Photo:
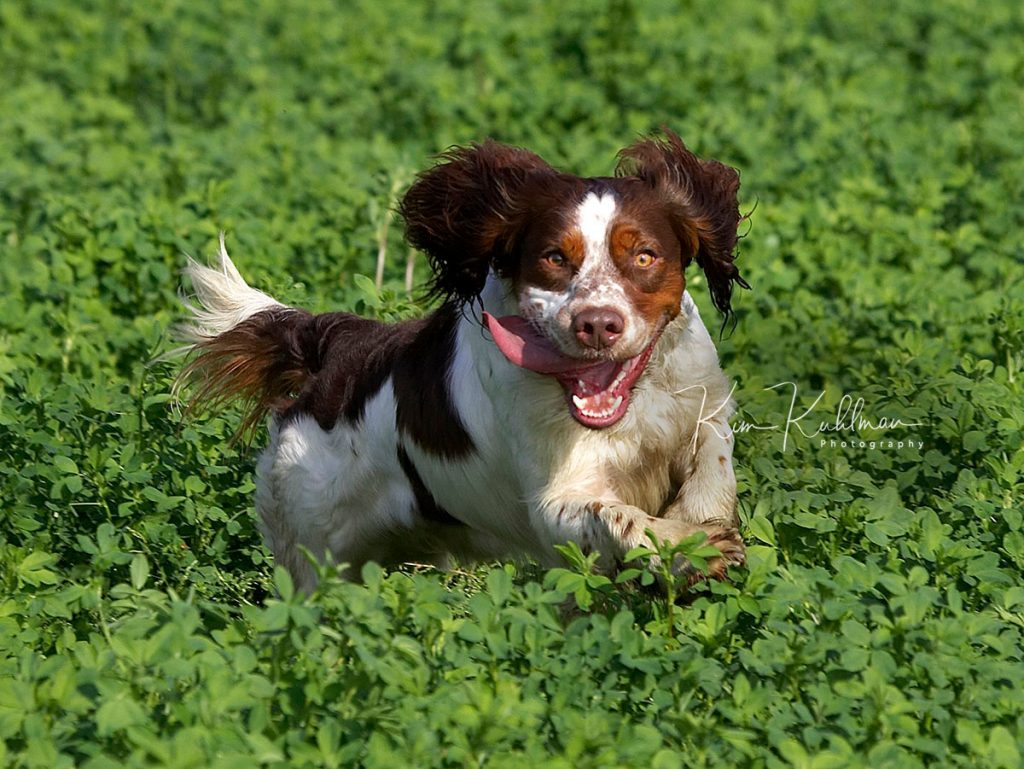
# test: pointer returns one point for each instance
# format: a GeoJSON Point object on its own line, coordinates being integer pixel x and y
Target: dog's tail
{"type": "Point", "coordinates": [245, 345]}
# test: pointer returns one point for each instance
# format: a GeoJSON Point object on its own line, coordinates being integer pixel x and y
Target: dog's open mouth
{"type": "Point", "coordinates": [598, 392]}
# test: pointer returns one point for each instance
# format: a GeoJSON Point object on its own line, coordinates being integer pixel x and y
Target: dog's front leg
{"type": "Point", "coordinates": [707, 491]}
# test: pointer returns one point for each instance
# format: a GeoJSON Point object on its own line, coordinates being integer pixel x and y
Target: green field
{"type": "Point", "coordinates": [879, 621]}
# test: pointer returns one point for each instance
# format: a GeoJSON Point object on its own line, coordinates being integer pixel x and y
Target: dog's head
{"type": "Point", "coordinates": [596, 264]}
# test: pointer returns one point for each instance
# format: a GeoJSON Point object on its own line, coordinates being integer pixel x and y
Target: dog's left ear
{"type": "Point", "coordinates": [468, 212]}
{"type": "Point", "coordinates": [701, 196]}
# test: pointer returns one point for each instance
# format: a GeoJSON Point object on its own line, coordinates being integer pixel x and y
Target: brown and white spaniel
{"type": "Point", "coordinates": [565, 389]}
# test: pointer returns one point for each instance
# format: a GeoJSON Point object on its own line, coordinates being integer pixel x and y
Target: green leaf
{"type": "Point", "coordinates": [1002, 748]}
{"type": "Point", "coordinates": [116, 714]}
{"type": "Point", "coordinates": [876, 534]}
{"type": "Point", "coordinates": [65, 464]}
{"type": "Point", "coordinates": [761, 528]}
{"type": "Point", "coordinates": [283, 583]}
{"type": "Point", "coordinates": [794, 753]}
{"type": "Point", "coordinates": [139, 571]}
{"type": "Point", "coordinates": [33, 569]}
{"type": "Point", "coordinates": [499, 585]}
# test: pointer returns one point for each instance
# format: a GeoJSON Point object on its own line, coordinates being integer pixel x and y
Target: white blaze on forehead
{"type": "Point", "coordinates": [598, 281]}
{"type": "Point", "coordinates": [594, 217]}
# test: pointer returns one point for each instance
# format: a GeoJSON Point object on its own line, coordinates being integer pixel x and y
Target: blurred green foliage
{"type": "Point", "coordinates": [879, 620]}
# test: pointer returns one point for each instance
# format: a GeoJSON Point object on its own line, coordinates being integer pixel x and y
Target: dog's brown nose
{"type": "Point", "coordinates": [598, 327]}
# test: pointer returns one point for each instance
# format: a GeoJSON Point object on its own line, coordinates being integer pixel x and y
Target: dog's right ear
{"type": "Point", "coordinates": [468, 212]}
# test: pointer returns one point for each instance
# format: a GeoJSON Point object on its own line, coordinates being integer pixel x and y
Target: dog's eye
{"type": "Point", "coordinates": [555, 258]}
{"type": "Point", "coordinates": [645, 259]}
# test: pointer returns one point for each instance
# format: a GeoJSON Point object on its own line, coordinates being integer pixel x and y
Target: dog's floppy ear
{"type": "Point", "coordinates": [701, 195]}
{"type": "Point", "coordinates": [468, 211]}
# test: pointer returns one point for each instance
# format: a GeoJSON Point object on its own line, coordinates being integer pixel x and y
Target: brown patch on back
{"type": "Point", "coordinates": [349, 360]}
{"type": "Point", "coordinates": [358, 356]}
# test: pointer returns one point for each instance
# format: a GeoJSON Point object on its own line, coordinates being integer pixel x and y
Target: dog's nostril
{"type": "Point", "coordinates": [598, 327]}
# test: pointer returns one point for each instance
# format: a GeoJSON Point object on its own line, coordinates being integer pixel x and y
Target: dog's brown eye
{"type": "Point", "coordinates": [555, 258]}
{"type": "Point", "coordinates": [645, 259]}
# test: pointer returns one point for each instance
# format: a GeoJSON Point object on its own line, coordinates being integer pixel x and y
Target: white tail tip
{"type": "Point", "coordinates": [223, 298]}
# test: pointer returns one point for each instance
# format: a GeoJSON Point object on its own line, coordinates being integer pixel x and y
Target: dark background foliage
{"type": "Point", "coordinates": [879, 622]}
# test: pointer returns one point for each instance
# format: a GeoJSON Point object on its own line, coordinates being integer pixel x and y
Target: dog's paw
{"type": "Point", "coordinates": [723, 536]}
{"type": "Point", "coordinates": [733, 553]}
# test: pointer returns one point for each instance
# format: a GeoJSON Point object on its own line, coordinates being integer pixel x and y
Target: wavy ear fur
{"type": "Point", "coordinates": [702, 196]}
{"type": "Point", "coordinates": [468, 211]}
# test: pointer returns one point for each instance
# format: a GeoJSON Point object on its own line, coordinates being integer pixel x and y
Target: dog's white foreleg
{"type": "Point", "coordinates": [707, 493]}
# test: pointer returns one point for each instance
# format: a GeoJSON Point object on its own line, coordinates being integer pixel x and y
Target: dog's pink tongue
{"type": "Point", "coordinates": [524, 346]}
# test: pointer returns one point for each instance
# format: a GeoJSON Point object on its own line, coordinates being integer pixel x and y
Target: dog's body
{"type": "Point", "coordinates": [567, 389]}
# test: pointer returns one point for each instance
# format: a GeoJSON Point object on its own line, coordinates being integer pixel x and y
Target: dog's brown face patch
{"type": "Point", "coordinates": [651, 261]}
{"type": "Point", "coordinates": [552, 252]}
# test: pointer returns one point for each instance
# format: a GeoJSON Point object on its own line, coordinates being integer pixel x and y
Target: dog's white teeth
{"type": "Point", "coordinates": [586, 406]}
{"type": "Point", "coordinates": [580, 383]}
